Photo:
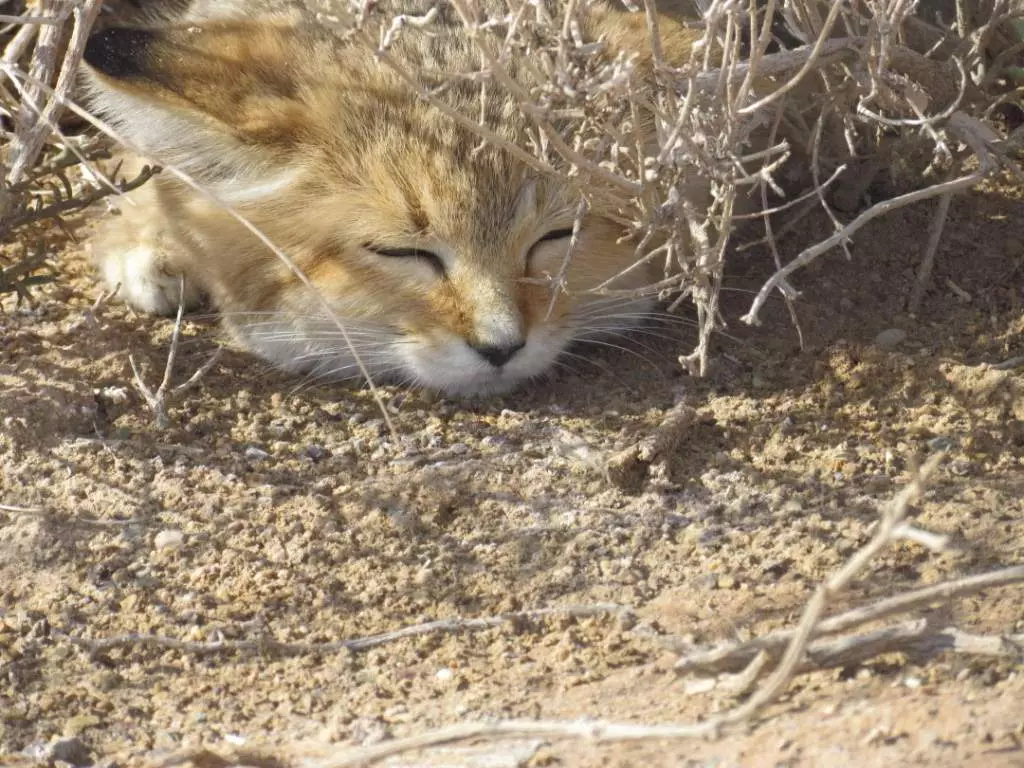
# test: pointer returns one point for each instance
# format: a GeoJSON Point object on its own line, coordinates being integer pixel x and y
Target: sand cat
{"type": "Point", "coordinates": [429, 245]}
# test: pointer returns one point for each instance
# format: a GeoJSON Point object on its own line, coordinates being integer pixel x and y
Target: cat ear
{"type": "Point", "coordinates": [219, 102]}
{"type": "Point", "coordinates": [627, 32]}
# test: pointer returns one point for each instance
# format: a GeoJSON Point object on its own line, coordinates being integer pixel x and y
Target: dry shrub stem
{"type": "Point", "coordinates": [924, 270]}
{"type": "Point", "coordinates": [735, 656]}
{"type": "Point", "coordinates": [159, 399]}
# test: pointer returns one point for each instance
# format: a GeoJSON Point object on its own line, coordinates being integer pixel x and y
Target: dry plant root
{"type": "Point", "coordinates": [160, 398]}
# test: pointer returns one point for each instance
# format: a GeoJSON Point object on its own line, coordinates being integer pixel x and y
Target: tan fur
{"type": "Point", "coordinates": [327, 152]}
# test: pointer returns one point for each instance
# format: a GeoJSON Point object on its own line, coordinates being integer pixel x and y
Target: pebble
{"type": "Point", "coordinates": [169, 539]}
{"type": "Point", "coordinates": [941, 443]}
{"type": "Point", "coordinates": [315, 452]}
{"type": "Point", "coordinates": [890, 338]}
{"type": "Point", "coordinates": [72, 751]}
{"type": "Point", "coordinates": [444, 674]}
{"type": "Point", "coordinates": [278, 430]}
{"type": "Point", "coordinates": [252, 453]}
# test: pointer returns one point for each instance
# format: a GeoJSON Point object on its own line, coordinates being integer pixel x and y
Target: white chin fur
{"type": "Point", "coordinates": [448, 365]}
{"type": "Point", "coordinates": [453, 368]}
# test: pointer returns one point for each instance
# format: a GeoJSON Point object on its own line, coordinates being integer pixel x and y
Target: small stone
{"type": "Point", "coordinates": [169, 539]}
{"type": "Point", "coordinates": [252, 453]}
{"type": "Point", "coordinates": [278, 430]}
{"type": "Point", "coordinates": [941, 443]}
{"type": "Point", "coordinates": [699, 685]}
{"type": "Point", "coordinates": [444, 674]}
{"type": "Point", "coordinates": [726, 582]}
{"type": "Point", "coordinates": [708, 581]}
{"type": "Point", "coordinates": [113, 395]}
{"type": "Point", "coordinates": [72, 751]}
{"type": "Point", "coordinates": [315, 452]}
{"type": "Point", "coordinates": [890, 338]}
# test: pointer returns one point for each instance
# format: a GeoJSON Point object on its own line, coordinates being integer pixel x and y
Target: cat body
{"type": "Point", "coordinates": [430, 251]}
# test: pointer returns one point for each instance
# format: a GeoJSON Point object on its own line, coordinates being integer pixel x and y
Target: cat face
{"type": "Point", "coordinates": [432, 252]}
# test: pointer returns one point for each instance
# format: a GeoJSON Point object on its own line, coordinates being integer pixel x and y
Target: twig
{"type": "Point", "coordinates": [843, 235]}
{"type": "Point", "coordinates": [628, 469]}
{"type": "Point", "coordinates": [77, 203]}
{"type": "Point", "coordinates": [924, 271]}
{"type": "Point", "coordinates": [916, 636]}
{"type": "Point", "coordinates": [910, 636]}
{"type": "Point", "coordinates": [268, 645]}
{"type": "Point", "coordinates": [736, 656]}
{"type": "Point", "coordinates": [961, 294]}
{"type": "Point", "coordinates": [32, 134]}
{"type": "Point", "coordinates": [21, 510]}
{"type": "Point", "coordinates": [1009, 364]}
{"type": "Point", "coordinates": [594, 730]}
{"type": "Point", "coordinates": [8, 19]}
{"type": "Point", "coordinates": [89, 316]}
{"type": "Point", "coordinates": [157, 401]}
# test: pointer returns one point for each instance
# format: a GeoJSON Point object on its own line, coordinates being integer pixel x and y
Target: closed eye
{"type": "Point", "coordinates": [409, 253]}
{"type": "Point", "coordinates": [556, 234]}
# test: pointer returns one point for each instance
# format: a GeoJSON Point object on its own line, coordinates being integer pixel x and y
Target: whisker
{"type": "Point", "coordinates": [638, 315]}
{"type": "Point", "coordinates": [621, 348]}
{"type": "Point", "coordinates": [621, 335]}
{"type": "Point", "coordinates": [638, 324]}
{"type": "Point", "coordinates": [332, 375]}
{"type": "Point", "coordinates": [605, 370]}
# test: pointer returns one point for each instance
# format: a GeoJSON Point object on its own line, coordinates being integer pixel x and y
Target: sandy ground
{"type": "Point", "coordinates": [274, 510]}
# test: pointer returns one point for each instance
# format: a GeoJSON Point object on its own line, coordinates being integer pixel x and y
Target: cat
{"type": "Point", "coordinates": [430, 246]}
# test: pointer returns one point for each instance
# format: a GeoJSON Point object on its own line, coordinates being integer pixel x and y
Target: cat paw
{"type": "Point", "coordinates": [146, 281]}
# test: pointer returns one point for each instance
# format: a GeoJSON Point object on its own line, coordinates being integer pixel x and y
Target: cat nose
{"type": "Point", "coordinates": [498, 355]}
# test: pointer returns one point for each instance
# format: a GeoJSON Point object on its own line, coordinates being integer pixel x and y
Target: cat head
{"type": "Point", "coordinates": [435, 249]}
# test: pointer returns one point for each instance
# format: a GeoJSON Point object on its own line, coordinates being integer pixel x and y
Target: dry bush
{"type": "Point", "coordinates": [44, 174]}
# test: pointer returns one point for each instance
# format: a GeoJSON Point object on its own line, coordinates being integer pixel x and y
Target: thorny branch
{"type": "Point", "coordinates": [44, 175]}
{"type": "Point", "coordinates": [735, 656]}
